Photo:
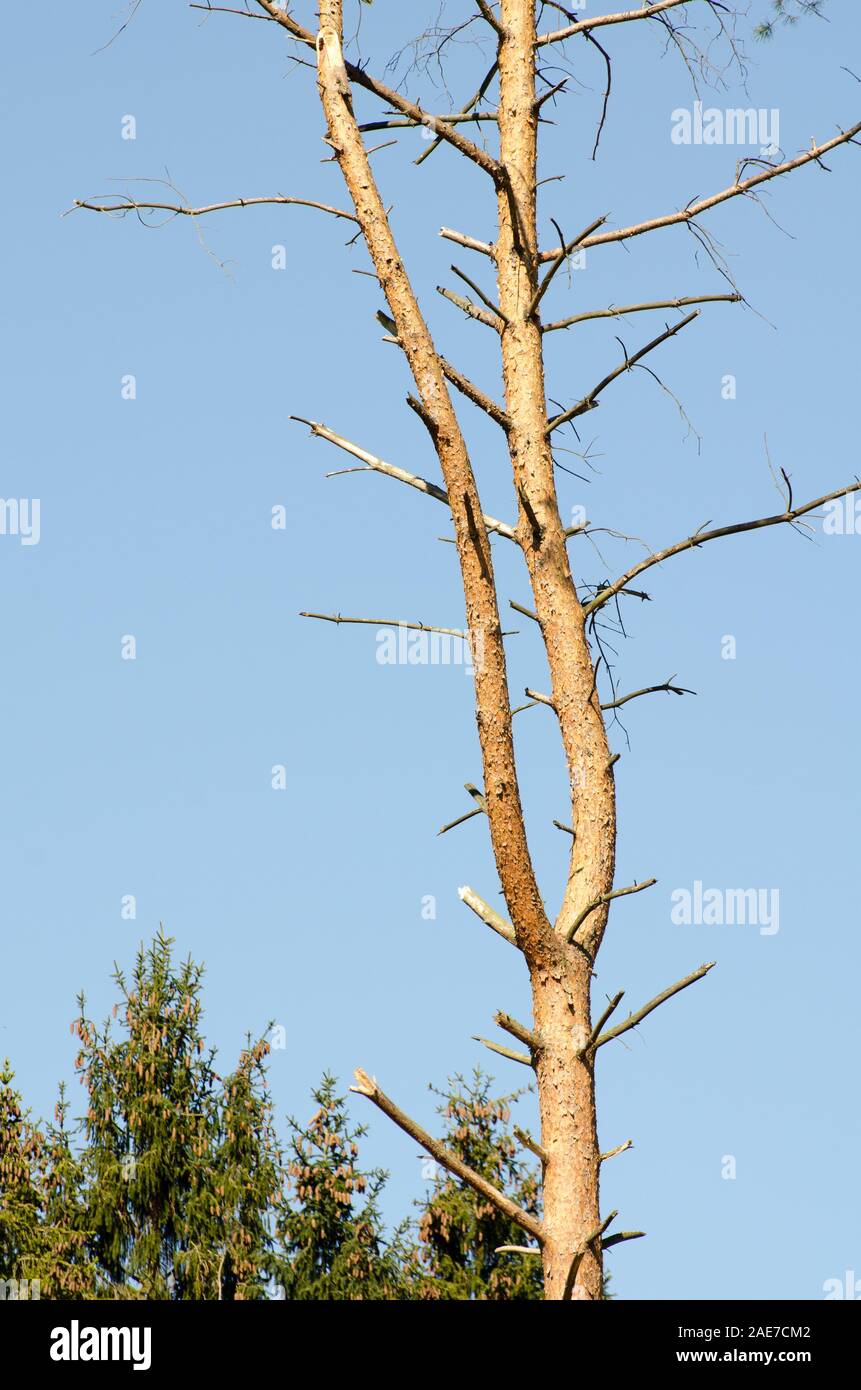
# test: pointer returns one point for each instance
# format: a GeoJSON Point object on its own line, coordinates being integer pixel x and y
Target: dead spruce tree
{"type": "Point", "coordinates": [562, 1039]}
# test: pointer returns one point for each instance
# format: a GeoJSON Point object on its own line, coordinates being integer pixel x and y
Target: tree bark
{"type": "Point", "coordinates": [560, 987]}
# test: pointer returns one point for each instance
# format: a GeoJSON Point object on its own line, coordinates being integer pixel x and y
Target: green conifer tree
{"type": "Point", "coordinates": [66, 1267]}
{"type": "Point", "coordinates": [460, 1232]}
{"type": "Point", "coordinates": [331, 1228]}
{"type": "Point", "coordinates": [21, 1147]}
{"type": "Point", "coordinates": [182, 1169]}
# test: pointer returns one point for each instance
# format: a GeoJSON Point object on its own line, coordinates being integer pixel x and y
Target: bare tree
{"type": "Point", "coordinates": [561, 1041]}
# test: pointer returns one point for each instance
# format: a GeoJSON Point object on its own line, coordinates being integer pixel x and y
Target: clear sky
{"type": "Point", "coordinates": [152, 777]}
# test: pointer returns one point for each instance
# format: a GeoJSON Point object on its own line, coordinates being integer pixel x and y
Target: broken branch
{"type": "Point", "coordinates": [620, 1236]}
{"type": "Point", "coordinates": [487, 914]}
{"type": "Point", "coordinates": [517, 1030]}
{"type": "Point", "coordinates": [619, 1149]}
{"type": "Point", "coordinates": [504, 1051]}
{"type": "Point", "coordinates": [471, 243]}
{"type": "Point", "coordinates": [367, 1086]}
{"type": "Point", "coordinates": [378, 465]}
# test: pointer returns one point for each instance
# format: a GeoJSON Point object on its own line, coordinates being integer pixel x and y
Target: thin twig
{"type": "Point", "coordinates": [388, 622]}
{"type": "Point", "coordinates": [182, 210]}
{"type": "Point", "coordinates": [564, 253]}
{"type": "Point", "coordinates": [633, 1019]}
{"type": "Point", "coordinates": [649, 690]}
{"type": "Point", "coordinates": [589, 402]}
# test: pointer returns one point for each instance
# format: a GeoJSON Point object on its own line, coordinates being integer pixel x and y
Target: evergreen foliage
{"type": "Point", "coordinates": [173, 1186]}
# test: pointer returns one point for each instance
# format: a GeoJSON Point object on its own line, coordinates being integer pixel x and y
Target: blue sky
{"type": "Point", "coordinates": [152, 777]}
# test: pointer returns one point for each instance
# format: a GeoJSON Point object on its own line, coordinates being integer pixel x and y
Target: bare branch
{"type": "Point", "coordinates": [487, 914]}
{"type": "Point", "coordinates": [581, 1250]}
{"type": "Point", "coordinates": [564, 253]}
{"type": "Point", "coordinates": [605, 101]}
{"type": "Point", "coordinates": [487, 13]}
{"type": "Point", "coordinates": [620, 1236]}
{"type": "Point", "coordinates": [506, 1052]}
{"type": "Point", "coordinates": [649, 690]}
{"type": "Point", "coordinates": [481, 809]}
{"type": "Point", "coordinates": [633, 1019]}
{"type": "Point", "coordinates": [700, 537]}
{"type": "Point", "coordinates": [478, 397]}
{"type": "Point", "coordinates": [538, 698]}
{"type": "Point", "coordinates": [619, 1149]}
{"type": "Point", "coordinates": [589, 402]}
{"type": "Point", "coordinates": [517, 1030]}
{"type": "Point", "coordinates": [367, 1086]}
{"type": "Point", "coordinates": [599, 902]}
{"type": "Point", "coordinates": [462, 383]}
{"type": "Point", "coordinates": [612, 1006]}
{"type": "Point", "coordinates": [476, 289]}
{"type": "Point", "coordinates": [387, 622]}
{"type": "Point", "coordinates": [735, 190]}
{"type": "Point", "coordinates": [624, 309]}
{"type": "Point", "coordinates": [361, 78]}
{"type": "Point", "coordinates": [471, 310]}
{"type": "Point", "coordinates": [406, 123]}
{"type": "Point", "coordinates": [377, 465]}
{"type": "Point", "coordinates": [470, 242]}
{"type": "Point", "coordinates": [122, 205]}
{"type": "Point", "coordinates": [525, 1138]}
{"type": "Point", "coordinates": [461, 820]}
{"type": "Point", "coordinates": [470, 106]}
{"type": "Point", "coordinates": [519, 608]}
{"type": "Point", "coordinates": [209, 8]}
{"type": "Point", "coordinates": [583, 26]}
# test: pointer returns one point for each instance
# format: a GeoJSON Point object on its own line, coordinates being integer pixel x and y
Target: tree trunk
{"type": "Point", "coordinates": [560, 990]}
{"type": "Point", "coordinates": [569, 1136]}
